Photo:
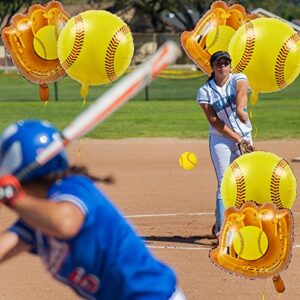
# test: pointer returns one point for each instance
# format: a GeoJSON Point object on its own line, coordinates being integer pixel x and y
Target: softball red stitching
{"type": "Point", "coordinates": [79, 37]}
{"type": "Point", "coordinates": [288, 46]}
{"type": "Point", "coordinates": [248, 49]}
{"type": "Point", "coordinates": [111, 51]}
{"type": "Point", "coordinates": [240, 184]}
{"type": "Point", "coordinates": [275, 181]}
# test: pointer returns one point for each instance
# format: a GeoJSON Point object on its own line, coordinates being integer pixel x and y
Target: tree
{"type": "Point", "coordinates": [186, 13]}
{"type": "Point", "coordinates": [159, 15]}
{"type": "Point", "coordinates": [287, 9]}
{"type": "Point", "coordinates": [156, 12]}
{"type": "Point", "coordinates": [10, 8]}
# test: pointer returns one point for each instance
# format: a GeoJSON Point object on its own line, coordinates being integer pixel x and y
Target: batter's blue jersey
{"type": "Point", "coordinates": [106, 260]}
{"type": "Point", "coordinates": [223, 101]}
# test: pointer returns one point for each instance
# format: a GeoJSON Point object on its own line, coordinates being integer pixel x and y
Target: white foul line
{"type": "Point", "coordinates": [179, 214]}
{"type": "Point", "coordinates": [184, 214]}
{"type": "Point", "coordinates": [172, 215]}
{"type": "Point", "coordinates": [178, 248]}
{"type": "Point", "coordinates": [191, 248]}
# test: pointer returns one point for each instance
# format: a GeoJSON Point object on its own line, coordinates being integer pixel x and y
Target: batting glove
{"type": "Point", "coordinates": [11, 190]}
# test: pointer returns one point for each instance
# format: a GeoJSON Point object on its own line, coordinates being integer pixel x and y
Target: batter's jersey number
{"type": "Point", "coordinates": [87, 282]}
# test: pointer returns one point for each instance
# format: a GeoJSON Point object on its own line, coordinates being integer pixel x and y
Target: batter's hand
{"type": "Point", "coordinates": [10, 190]}
{"type": "Point", "coordinates": [245, 147]}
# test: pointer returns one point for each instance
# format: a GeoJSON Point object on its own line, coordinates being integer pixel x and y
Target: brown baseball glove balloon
{"type": "Point", "coordinates": [255, 242]}
{"type": "Point", "coordinates": [213, 32]}
{"type": "Point", "coordinates": [31, 41]}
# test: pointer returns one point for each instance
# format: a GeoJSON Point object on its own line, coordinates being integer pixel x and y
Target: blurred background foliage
{"type": "Point", "coordinates": [155, 15]}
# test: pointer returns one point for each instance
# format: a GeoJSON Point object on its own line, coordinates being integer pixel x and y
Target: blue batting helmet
{"type": "Point", "coordinates": [22, 141]}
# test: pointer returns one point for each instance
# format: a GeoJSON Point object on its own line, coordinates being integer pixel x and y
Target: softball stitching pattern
{"type": "Point", "coordinates": [242, 244]}
{"type": "Point", "coordinates": [261, 252]}
{"type": "Point", "coordinates": [288, 45]}
{"type": "Point", "coordinates": [79, 37]}
{"type": "Point", "coordinates": [41, 45]}
{"type": "Point", "coordinates": [240, 184]}
{"type": "Point", "coordinates": [189, 160]}
{"type": "Point", "coordinates": [248, 49]}
{"type": "Point", "coordinates": [111, 51]}
{"type": "Point", "coordinates": [275, 181]}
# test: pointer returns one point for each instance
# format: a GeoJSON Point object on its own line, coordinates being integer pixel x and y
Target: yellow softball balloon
{"type": "Point", "coordinates": [188, 160]}
{"type": "Point", "coordinates": [267, 50]}
{"type": "Point", "coordinates": [260, 177]}
{"type": "Point", "coordinates": [95, 47]}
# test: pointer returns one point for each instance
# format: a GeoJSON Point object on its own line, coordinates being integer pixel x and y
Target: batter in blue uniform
{"type": "Point", "coordinates": [81, 237]}
{"type": "Point", "coordinates": [223, 99]}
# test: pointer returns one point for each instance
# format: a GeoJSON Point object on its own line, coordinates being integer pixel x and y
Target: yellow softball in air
{"type": "Point", "coordinates": [95, 47]}
{"type": "Point", "coordinates": [260, 177]}
{"type": "Point", "coordinates": [188, 160]}
{"type": "Point", "coordinates": [250, 243]}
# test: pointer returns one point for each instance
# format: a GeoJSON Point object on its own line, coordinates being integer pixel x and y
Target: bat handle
{"type": "Point", "coordinates": [278, 283]}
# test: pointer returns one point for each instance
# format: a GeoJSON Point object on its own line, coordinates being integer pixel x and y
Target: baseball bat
{"type": "Point", "coordinates": [106, 104]}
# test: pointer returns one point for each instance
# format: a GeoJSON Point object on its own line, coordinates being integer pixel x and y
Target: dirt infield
{"type": "Point", "coordinates": [171, 208]}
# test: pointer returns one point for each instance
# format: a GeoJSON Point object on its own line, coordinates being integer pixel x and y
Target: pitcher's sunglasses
{"type": "Point", "coordinates": [219, 63]}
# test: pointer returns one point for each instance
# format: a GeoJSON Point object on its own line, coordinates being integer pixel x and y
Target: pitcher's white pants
{"type": "Point", "coordinates": [223, 152]}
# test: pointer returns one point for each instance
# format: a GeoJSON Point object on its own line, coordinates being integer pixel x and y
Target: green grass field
{"type": "Point", "coordinates": [170, 112]}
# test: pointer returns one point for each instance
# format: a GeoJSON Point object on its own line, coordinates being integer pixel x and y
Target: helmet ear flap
{"type": "Point", "coordinates": [12, 159]}
{"type": "Point", "coordinates": [22, 141]}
